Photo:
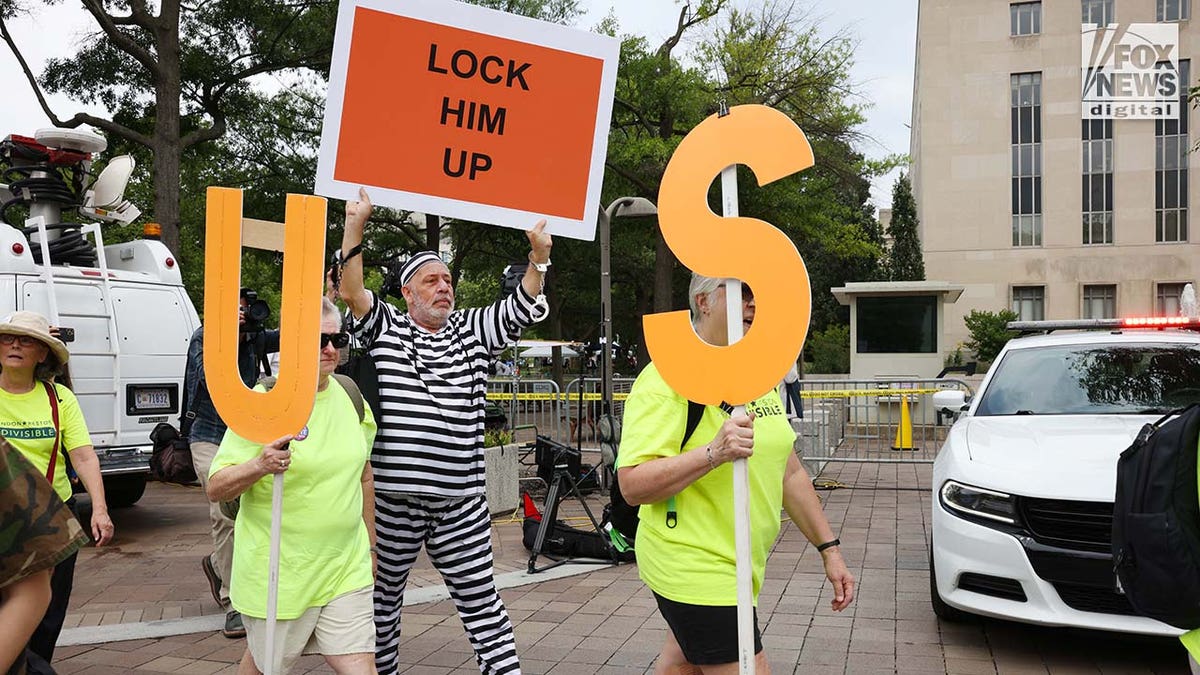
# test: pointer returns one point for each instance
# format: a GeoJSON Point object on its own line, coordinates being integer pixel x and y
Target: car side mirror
{"type": "Point", "coordinates": [950, 401]}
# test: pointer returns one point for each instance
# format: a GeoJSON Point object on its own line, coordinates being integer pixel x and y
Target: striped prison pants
{"type": "Point", "coordinates": [457, 537]}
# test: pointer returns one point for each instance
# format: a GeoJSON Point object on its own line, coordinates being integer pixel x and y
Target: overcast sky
{"type": "Point", "coordinates": [885, 30]}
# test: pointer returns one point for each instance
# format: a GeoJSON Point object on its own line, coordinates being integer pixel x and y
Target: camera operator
{"type": "Point", "coordinates": [255, 342]}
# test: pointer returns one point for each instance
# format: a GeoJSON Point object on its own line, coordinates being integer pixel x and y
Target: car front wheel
{"type": "Point", "coordinates": [940, 608]}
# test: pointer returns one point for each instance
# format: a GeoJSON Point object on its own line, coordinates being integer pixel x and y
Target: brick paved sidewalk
{"type": "Point", "coordinates": [606, 621]}
{"type": "Point", "coordinates": [152, 571]}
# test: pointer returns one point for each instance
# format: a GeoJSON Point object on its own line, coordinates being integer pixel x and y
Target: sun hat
{"type": "Point", "coordinates": [35, 326]}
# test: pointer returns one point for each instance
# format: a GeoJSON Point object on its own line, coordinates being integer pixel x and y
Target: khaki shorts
{"type": "Point", "coordinates": [344, 626]}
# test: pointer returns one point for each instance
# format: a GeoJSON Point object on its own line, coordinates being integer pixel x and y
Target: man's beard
{"type": "Point", "coordinates": [426, 312]}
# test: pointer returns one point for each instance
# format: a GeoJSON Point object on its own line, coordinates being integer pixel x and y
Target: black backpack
{"type": "Point", "coordinates": [621, 514]}
{"type": "Point", "coordinates": [1156, 521]}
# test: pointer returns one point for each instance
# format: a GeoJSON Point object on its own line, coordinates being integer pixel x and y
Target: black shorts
{"type": "Point", "coordinates": [706, 634]}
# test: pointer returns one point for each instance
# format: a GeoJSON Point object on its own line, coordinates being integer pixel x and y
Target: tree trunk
{"type": "Point", "coordinates": [664, 268]}
{"type": "Point", "coordinates": [433, 233]}
{"type": "Point", "coordinates": [643, 308]}
{"type": "Point", "coordinates": [167, 142]}
{"type": "Point", "coordinates": [664, 271]}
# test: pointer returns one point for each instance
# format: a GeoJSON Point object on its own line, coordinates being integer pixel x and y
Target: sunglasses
{"type": "Point", "coordinates": [23, 340]}
{"type": "Point", "coordinates": [339, 340]}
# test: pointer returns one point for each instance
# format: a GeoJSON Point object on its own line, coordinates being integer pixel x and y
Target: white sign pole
{"type": "Point", "coordinates": [741, 472]}
{"type": "Point", "coordinates": [273, 572]}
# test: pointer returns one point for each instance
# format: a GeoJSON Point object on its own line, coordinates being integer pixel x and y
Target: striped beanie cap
{"type": "Point", "coordinates": [414, 262]}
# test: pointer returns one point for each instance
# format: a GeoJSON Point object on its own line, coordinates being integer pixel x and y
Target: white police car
{"type": "Point", "coordinates": [1024, 485]}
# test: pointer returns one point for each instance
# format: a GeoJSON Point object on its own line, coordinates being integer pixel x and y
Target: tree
{"type": "Point", "coordinates": [186, 72]}
{"type": "Point", "coordinates": [989, 332]}
{"type": "Point", "coordinates": [830, 349]}
{"type": "Point", "coordinates": [181, 72]}
{"type": "Point", "coordinates": [774, 56]}
{"type": "Point", "coordinates": [905, 262]}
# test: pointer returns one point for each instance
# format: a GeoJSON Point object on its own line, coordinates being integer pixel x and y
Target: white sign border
{"type": "Point", "coordinates": [492, 22]}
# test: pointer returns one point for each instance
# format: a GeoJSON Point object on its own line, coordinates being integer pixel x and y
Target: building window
{"type": "Point", "coordinates": [1166, 301]}
{"type": "Point", "coordinates": [897, 325]}
{"type": "Point", "coordinates": [1172, 10]}
{"type": "Point", "coordinates": [1097, 182]}
{"type": "Point", "coordinates": [1025, 18]}
{"type": "Point", "coordinates": [1171, 170]}
{"type": "Point", "coordinates": [1029, 302]}
{"type": "Point", "coordinates": [1100, 302]}
{"type": "Point", "coordinates": [1099, 12]}
{"type": "Point", "coordinates": [1026, 139]}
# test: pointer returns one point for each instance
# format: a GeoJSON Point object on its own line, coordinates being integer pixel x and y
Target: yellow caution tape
{"type": "Point", "coordinates": [819, 393]}
{"type": "Point", "coordinates": [878, 391]}
{"type": "Point", "coordinates": [525, 396]}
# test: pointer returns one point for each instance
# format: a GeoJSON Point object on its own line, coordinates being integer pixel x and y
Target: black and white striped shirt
{"type": "Point", "coordinates": [432, 390]}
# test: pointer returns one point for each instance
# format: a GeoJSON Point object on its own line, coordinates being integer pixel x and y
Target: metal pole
{"type": "Point", "coordinates": [741, 470]}
{"type": "Point", "coordinates": [606, 302]}
{"type": "Point", "coordinates": [273, 572]}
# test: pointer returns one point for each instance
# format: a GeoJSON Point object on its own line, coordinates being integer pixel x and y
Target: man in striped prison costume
{"type": "Point", "coordinates": [432, 363]}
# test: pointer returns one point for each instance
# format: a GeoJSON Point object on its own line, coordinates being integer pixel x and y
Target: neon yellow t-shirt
{"type": "Point", "coordinates": [324, 549]}
{"type": "Point", "coordinates": [695, 562]}
{"type": "Point", "coordinates": [27, 423]}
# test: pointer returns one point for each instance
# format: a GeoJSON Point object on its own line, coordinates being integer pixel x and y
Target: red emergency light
{"type": "Point", "coordinates": [1160, 322]}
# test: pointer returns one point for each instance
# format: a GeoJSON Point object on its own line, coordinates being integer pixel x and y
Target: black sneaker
{"type": "Point", "coordinates": [233, 626]}
{"type": "Point", "coordinates": [214, 581]}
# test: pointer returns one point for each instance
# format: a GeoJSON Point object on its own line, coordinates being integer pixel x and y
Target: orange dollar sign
{"type": "Point", "coordinates": [257, 416]}
{"type": "Point", "coordinates": [748, 249]}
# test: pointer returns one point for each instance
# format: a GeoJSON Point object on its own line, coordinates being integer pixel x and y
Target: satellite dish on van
{"type": "Point", "coordinates": [109, 188]}
{"type": "Point", "coordinates": [106, 199]}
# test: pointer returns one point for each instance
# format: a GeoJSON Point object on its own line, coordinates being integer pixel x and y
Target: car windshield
{"type": "Point", "coordinates": [1094, 379]}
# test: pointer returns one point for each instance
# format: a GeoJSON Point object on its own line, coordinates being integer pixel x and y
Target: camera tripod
{"type": "Point", "coordinates": [561, 485]}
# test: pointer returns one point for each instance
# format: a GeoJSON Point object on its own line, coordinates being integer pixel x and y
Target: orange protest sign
{"type": "Point", "coordinates": [748, 249]}
{"type": "Point", "coordinates": [462, 111]}
{"type": "Point", "coordinates": [263, 417]}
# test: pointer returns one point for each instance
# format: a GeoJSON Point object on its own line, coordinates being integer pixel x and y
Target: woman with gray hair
{"type": "Point", "coordinates": [43, 421]}
{"type": "Point", "coordinates": [685, 545]}
{"type": "Point", "coordinates": [327, 536]}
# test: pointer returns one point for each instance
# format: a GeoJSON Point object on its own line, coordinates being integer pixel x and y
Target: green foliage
{"type": "Point", "coordinates": [906, 262]}
{"type": "Point", "coordinates": [830, 349]}
{"type": "Point", "coordinates": [494, 437]}
{"type": "Point", "coordinates": [955, 358]}
{"type": "Point", "coordinates": [988, 332]}
{"type": "Point", "coordinates": [477, 291]}
{"type": "Point", "coordinates": [555, 11]}
{"type": "Point", "coordinates": [231, 134]}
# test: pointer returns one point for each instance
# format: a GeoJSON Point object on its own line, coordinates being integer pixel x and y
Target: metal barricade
{"type": "Point", "coordinates": [584, 399]}
{"type": "Point", "coordinates": [880, 420]}
{"type": "Point", "coordinates": [536, 402]}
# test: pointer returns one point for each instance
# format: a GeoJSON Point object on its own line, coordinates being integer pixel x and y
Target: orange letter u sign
{"type": "Point", "coordinates": [263, 417]}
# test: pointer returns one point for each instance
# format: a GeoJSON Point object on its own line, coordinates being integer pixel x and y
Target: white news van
{"type": "Point", "coordinates": [126, 303]}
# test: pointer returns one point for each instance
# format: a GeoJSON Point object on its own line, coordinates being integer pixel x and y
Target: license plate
{"type": "Point", "coordinates": [151, 399]}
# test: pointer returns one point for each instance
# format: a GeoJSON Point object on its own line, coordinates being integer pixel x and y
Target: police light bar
{"type": "Point", "coordinates": [1153, 322]}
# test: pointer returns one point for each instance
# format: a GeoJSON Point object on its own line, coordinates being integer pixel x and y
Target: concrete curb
{"type": "Point", "coordinates": [143, 630]}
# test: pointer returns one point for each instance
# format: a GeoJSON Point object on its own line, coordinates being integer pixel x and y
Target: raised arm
{"type": "Point", "coordinates": [539, 254]}
{"type": "Point", "coordinates": [351, 285]}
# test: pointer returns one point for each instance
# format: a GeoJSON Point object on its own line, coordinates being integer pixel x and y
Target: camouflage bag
{"type": "Point", "coordinates": [37, 530]}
